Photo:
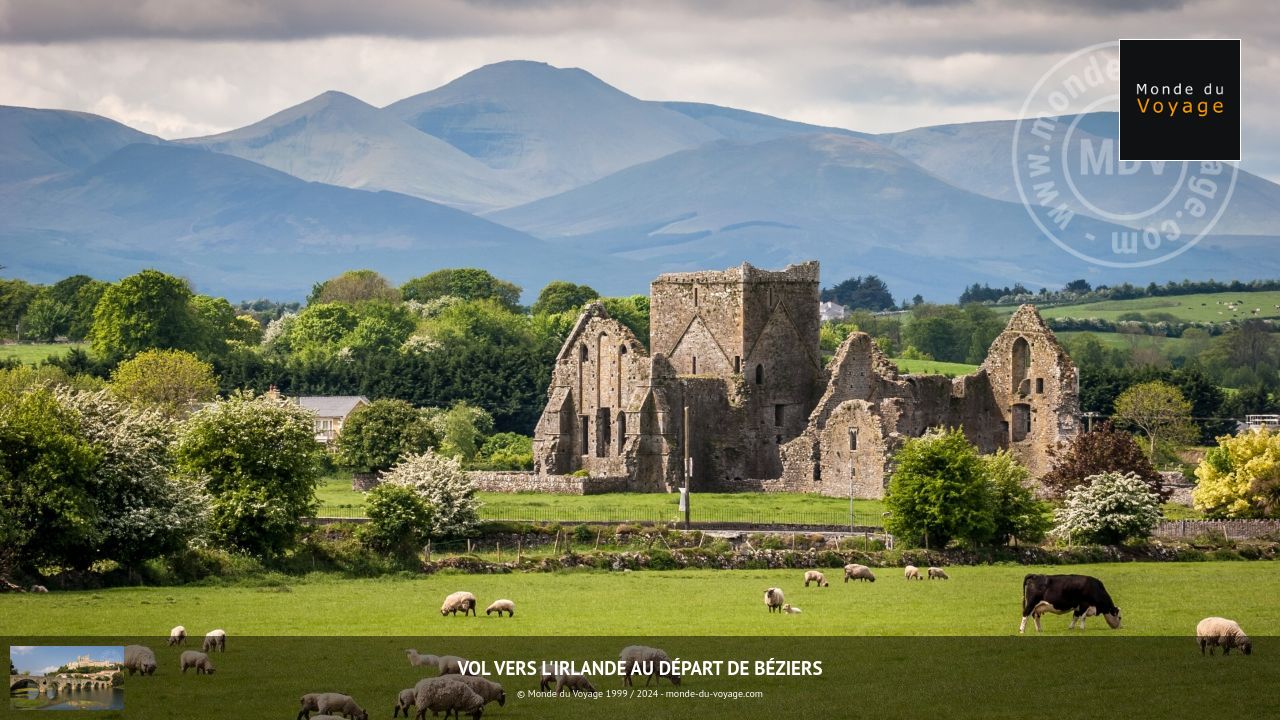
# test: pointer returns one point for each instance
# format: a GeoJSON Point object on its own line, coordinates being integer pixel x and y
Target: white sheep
{"type": "Point", "coordinates": [444, 664]}
{"type": "Point", "coordinates": [416, 658]}
{"type": "Point", "coordinates": [858, 572]}
{"type": "Point", "coordinates": [215, 640]}
{"type": "Point", "coordinates": [501, 606]}
{"type": "Point", "coordinates": [938, 574]}
{"type": "Point", "coordinates": [139, 659]}
{"type": "Point", "coordinates": [177, 636]}
{"type": "Point", "coordinates": [1213, 632]}
{"type": "Point", "coordinates": [197, 660]}
{"type": "Point", "coordinates": [773, 599]}
{"type": "Point", "coordinates": [39, 589]}
{"type": "Point", "coordinates": [574, 684]}
{"type": "Point", "coordinates": [447, 694]}
{"type": "Point", "coordinates": [403, 702]}
{"type": "Point", "coordinates": [331, 703]}
{"type": "Point", "coordinates": [460, 601]}
{"type": "Point", "coordinates": [791, 609]}
{"type": "Point", "coordinates": [484, 687]}
{"type": "Point", "coordinates": [633, 656]}
{"type": "Point", "coordinates": [815, 576]}
{"type": "Point", "coordinates": [911, 572]}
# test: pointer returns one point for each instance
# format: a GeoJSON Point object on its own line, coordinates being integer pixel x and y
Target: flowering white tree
{"type": "Point", "coordinates": [1109, 509]}
{"type": "Point", "coordinates": [447, 491]}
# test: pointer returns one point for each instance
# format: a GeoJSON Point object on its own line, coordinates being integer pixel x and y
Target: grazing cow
{"type": "Point", "coordinates": [1081, 595]}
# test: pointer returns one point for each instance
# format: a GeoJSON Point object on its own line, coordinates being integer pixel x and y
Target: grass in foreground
{"type": "Point", "coordinates": [934, 367]}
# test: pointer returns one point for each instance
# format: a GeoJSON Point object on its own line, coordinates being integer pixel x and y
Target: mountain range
{"type": "Point", "coordinates": [540, 173]}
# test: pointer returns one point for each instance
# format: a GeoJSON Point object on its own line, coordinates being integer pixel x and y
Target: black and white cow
{"type": "Point", "coordinates": [1080, 595]}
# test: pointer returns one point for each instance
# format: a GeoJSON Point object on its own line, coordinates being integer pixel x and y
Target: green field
{"type": "Point", "coordinates": [933, 367]}
{"type": "Point", "coordinates": [1168, 346]}
{"type": "Point", "coordinates": [1204, 307]}
{"type": "Point", "coordinates": [33, 353]}
{"type": "Point", "coordinates": [901, 649]}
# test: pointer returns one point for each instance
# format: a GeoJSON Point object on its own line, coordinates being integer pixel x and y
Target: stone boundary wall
{"type": "Point", "coordinates": [512, 481]}
{"type": "Point", "coordinates": [1231, 529]}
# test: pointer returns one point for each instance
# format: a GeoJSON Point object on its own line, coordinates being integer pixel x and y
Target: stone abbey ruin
{"type": "Point", "coordinates": [736, 352]}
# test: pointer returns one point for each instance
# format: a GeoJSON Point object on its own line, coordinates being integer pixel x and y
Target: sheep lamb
{"type": "Point", "coordinates": [791, 609]}
{"type": "Point", "coordinates": [911, 572]}
{"type": "Point", "coordinates": [139, 659]}
{"type": "Point", "coordinates": [633, 655]}
{"type": "Point", "coordinates": [937, 573]}
{"type": "Point", "coordinates": [215, 640]}
{"type": "Point", "coordinates": [177, 636]}
{"type": "Point", "coordinates": [403, 702]}
{"type": "Point", "coordinates": [773, 599]}
{"type": "Point", "coordinates": [1215, 632]}
{"type": "Point", "coordinates": [815, 576]}
{"type": "Point", "coordinates": [461, 601]}
{"type": "Point", "coordinates": [501, 606]}
{"type": "Point", "coordinates": [448, 695]}
{"type": "Point", "coordinates": [197, 660]}
{"type": "Point", "coordinates": [331, 703]}
{"type": "Point", "coordinates": [858, 572]}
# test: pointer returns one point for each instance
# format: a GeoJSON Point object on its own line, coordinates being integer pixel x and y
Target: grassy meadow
{"type": "Point", "coordinates": [1202, 307]}
{"type": "Point", "coordinates": [32, 353]}
{"type": "Point", "coordinates": [933, 367]}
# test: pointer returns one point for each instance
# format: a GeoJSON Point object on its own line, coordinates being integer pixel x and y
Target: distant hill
{"type": "Point", "coordinates": [39, 143]}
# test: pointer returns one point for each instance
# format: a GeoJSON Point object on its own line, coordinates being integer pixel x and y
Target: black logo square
{"type": "Point", "coordinates": [1180, 100]}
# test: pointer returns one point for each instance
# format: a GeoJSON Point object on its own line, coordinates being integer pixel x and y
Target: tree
{"type": "Point", "coordinates": [447, 492]}
{"type": "Point", "coordinates": [506, 451]}
{"type": "Point", "coordinates": [1159, 411]}
{"type": "Point", "coordinates": [869, 293]}
{"type": "Point", "coordinates": [462, 430]}
{"type": "Point", "coordinates": [46, 317]}
{"type": "Point", "coordinates": [377, 435]}
{"type": "Point", "coordinates": [1078, 286]}
{"type": "Point", "coordinates": [400, 521]}
{"type": "Point", "coordinates": [1104, 449]}
{"type": "Point", "coordinates": [1017, 513]}
{"type": "Point", "coordinates": [1240, 478]}
{"type": "Point", "coordinates": [257, 458]}
{"type": "Point", "coordinates": [632, 311]}
{"type": "Point", "coordinates": [144, 311]}
{"type": "Point", "coordinates": [15, 296]}
{"type": "Point", "coordinates": [353, 287]}
{"type": "Point", "coordinates": [464, 283]}
{"type": "Point", "coordinates": [1111, 509]}
{"type": "Point", "coordinates": [320, 328]}
{"type": "Point", "coordinates": [560, 296]}
{"type": "Point", "coordinates": [939, 491]}
{"type": "Point", "coordinates": [172, 381]}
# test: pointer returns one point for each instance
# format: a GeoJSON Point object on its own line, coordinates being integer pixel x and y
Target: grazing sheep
{"type": "Point", "coordinates": [460, 601]}
{"type": "Point", "coordinates": [633, 655]}
{"type": "Point", "coordinates": [791, 609]}
{"type": "Point", "coordinates": [773, 599]}
{"type": "Point", "coordinates": [444, 664]}
{"type": "Point", "coordinates": [449, 695]}
{"type": "Point", "coordinates": [858, 572]}
{"type": "Point", "coordinates": [1213, 632]}
{"type": "Point", "coordinates": [937, 573]}
{"type": "Point", "coordinates": [215, 640]}
{"type": "Point", "coordinates": [548, 679]}
{"type": "Point", "coordinates": [575, 684]}
{"type": "Point", "coordinates": [197, 660]}
{"type": "Point", "coordinates": [331, 703]}
{"type": "Point", "coordinates": [139, 659]}
{"type": "Point", "coordinates": [177, 636]}
{"type": "Point", "coordinates": [911, 572]}
{"type": "Point", "coordinates": [501, 606]}
{"type": "Point", "coordinates": [415, 658]}
{"type": "Point", "coordinates": [815, 576]}
{"type": "Point", "coordinates": [39, 589]}
{"type": "Point", "coordinates": [484, 687]}
{"type": "Point", "coordinates": [403, 702]}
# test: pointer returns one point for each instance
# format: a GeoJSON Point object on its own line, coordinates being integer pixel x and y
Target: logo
{"type": "Point", "coordinates": [1082, 196]}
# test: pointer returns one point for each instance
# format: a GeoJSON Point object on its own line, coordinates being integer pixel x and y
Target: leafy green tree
{"type": "Point", "coordinates": [560, 296]}
{"type": "Point", "coordinates": [447, 492]}
{"type": "Point", "coordinates": [1159, 412]}
{"type": "Point", "coordinates": [867, 293]}
{"type": "Point", "coordinates": [144, 311]}
{"type": "Point", "coordinates": [506, 451]}
{"type": "Point", "coordinates": [632, 311]}
{"type": "Point", "coordinates": [464, 283]}
{"type": "Point", "coordinates": [321, 327]}
{"type": "Point", "coordinates": [462, 430]}
{"type": "Point", "coordinates": [354, 287]}
{"type": "Point", "coordinates": [1109, 510]}
{"type": "Point", "coordinates": [46, 317]}
{"type": "Point", "coordinates": [381, 328]}
{"type": "Point", "coordinates": [15, 296]}
{"type": "Point", "coordinates": [400, 520]}
{"type": "Point", "coordinates": [1017, 513]}
{"type": "Point", "coordinates": [939, 492]}
{"type": "Point", "coordinates": [377, 435]}
{"type": "Point", "coordinates": [258, 460]}
{"type": "Point", "coordinates": [171, 381]}
{"type": "Point", "coordinates": [1104, 449]}
{"type": "Point", "coordinates": [1240, 478]}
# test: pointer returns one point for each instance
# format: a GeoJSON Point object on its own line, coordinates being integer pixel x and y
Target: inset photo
{"type": "Point", "coordinates": [66, 677]}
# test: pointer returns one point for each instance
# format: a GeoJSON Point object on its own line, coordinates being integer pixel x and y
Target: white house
{"type": "Point", "coordinates": [331, 412]}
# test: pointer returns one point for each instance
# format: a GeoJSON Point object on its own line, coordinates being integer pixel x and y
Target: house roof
{"type": "Point", "coordinates": [332, 406]}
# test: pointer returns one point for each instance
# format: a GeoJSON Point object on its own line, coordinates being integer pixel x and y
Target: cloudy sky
{"type": "Point", "coordinates": [188, 67]}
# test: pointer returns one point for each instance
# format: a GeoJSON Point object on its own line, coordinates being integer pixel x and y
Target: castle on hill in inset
{"type": "Point", "coordinates": [737, 353]}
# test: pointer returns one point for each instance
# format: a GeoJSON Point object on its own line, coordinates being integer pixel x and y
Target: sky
{"type": "Point", "coordinates": [179, 68]}
{"type": "Point", "coordinates": [42, 659]}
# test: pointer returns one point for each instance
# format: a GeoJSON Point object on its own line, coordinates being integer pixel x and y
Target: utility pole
{"type": "Point", "coordinates": [688, 468]}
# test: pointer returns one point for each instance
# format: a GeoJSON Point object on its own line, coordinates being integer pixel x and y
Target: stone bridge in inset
{"type": "Point", "coordinates": [63, 682]}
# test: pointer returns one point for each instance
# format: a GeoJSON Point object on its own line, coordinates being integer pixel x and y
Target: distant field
{"type": "Point", "coordinates": [1124, 341]}
{"type": "Point", "coordinates": [933, 367]}
{"type": "Point", "coordinates": [32, 353]}
{"type": "Point", "coordinates": [1205, 307]}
